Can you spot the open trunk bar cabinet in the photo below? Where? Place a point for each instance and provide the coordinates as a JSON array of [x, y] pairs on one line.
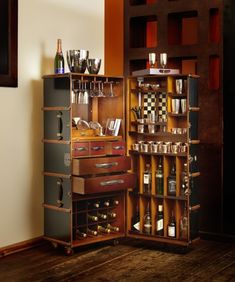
[[93, 175]]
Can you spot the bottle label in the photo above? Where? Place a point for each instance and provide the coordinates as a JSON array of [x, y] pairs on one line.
[[171, 231], [159, 175], [137, 226], [159, 224], [172, 186], [59, 70], [146, 179]]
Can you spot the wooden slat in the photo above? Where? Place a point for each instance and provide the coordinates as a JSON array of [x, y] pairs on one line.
[[56, 141], [60, 175], [56, 108], [56, 208]]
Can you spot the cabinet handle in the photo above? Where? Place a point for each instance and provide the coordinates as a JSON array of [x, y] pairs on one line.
[[111, 182], [60, 193], [106, 165], [97, 148], [79, 149], [59, 125], [118, 147]]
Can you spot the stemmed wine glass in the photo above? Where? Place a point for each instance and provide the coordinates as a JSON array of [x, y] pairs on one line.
[[163, 60], [152, 59]]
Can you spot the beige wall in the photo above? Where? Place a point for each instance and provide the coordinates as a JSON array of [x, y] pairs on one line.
[[80, 24]]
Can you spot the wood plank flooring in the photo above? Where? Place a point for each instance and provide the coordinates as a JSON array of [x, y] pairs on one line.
[[131, 260]]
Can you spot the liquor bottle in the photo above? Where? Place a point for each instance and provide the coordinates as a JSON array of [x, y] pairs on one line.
[[159, 189], [184, 180], [171, 182], [135, 221], [172, 226], [111, 214], [92, 232], [160, 221], [112, 228], [103, 229], [59, 58], [147, 179], [101, 216], [80, 234], [92, 217], [147, 221], [184, 225]]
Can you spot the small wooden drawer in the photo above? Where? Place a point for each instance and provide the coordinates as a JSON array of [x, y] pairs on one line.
[[101, 165], [97, 148], [80, 149], [103, 183], [116, 148]]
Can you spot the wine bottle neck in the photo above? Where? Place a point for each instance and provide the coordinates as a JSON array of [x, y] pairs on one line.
[[59, 46]]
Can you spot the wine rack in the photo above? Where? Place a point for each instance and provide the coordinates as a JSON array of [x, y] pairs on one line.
[[173, 143]]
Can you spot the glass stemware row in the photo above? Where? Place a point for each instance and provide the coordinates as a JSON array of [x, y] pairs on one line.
[[83, 89]]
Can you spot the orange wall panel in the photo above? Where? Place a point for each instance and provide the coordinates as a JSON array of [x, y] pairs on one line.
[[114, 37]]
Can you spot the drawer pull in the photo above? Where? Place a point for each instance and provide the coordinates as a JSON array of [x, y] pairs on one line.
[[112, 182], [80, 149], [59, 125], [118, 147], [60, 193], [97, 148], [106, 165]]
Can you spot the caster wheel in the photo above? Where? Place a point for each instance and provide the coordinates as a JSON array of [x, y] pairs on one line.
[[115, 242], [55, 245], [69, 251]]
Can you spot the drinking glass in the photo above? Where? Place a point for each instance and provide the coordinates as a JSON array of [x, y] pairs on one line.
[[152, 59], [163, 60]]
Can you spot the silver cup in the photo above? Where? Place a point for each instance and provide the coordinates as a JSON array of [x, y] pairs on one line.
[[175, 106], [179, 86], [151, 128], [183, 103]]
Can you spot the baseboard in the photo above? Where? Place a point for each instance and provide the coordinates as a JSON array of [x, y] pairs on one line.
[[222, 237], [18, 247]]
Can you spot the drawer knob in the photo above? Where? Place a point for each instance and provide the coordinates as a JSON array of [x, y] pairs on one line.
[[106, 165], [112, 182], [80, 149]]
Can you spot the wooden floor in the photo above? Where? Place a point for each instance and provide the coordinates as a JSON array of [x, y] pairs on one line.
[[129, 261]]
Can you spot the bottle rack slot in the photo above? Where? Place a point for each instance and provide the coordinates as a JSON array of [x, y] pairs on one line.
[[98, 216], [150, 216]]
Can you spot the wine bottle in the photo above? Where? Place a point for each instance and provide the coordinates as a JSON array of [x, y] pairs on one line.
[[92, 232], [111, 214], [93, 205], [171, 182], [147, 221], [160, 221], [101, 215], [103, 229], [184, 180], [172, 226], [147, 179], [59, 58], [92, 217], [184, 225], [135, 221], [159, 189], [106, 203], [80, 234], [112, 228], [114, 202]]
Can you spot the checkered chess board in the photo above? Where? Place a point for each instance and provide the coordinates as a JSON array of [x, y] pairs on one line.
[[157, 103]]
